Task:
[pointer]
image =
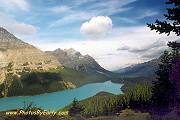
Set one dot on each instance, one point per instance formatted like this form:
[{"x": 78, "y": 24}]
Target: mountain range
[
  {"x": 146, "y": 70},
  {"x": 84, "y": 63},
  {"x": 57, "y": 70},
  {"x": 28, "y": 70}
]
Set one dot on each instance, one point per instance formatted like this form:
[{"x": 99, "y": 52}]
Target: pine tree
[
  {"x": 76, "y": 108},
  {"x": 164, "y": 88},
  {"x": 173, "y": 15}
]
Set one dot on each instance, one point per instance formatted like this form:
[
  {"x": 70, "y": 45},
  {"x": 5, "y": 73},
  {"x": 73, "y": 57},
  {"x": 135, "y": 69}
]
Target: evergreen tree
[
  {"x": 173, "y": 15},
  {"x": 175, "y": 48},
  {"x": 76, "y": 108},
  {"x": 164, "y": 89}
]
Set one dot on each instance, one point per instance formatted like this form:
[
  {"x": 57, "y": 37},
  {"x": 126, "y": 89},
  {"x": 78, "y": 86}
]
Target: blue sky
[{"x": 108, "y": 30}]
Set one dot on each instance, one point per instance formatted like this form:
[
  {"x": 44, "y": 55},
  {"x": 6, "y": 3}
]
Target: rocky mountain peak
[
  {"x": 72, "y": 52},
  {"x": 58, "y": 50},
  {"x": 88, "y": 56},
  {"x": 73, "y": 59},
  {"x": 8, "y": 40},
  {"x": 3, "y": 30}
]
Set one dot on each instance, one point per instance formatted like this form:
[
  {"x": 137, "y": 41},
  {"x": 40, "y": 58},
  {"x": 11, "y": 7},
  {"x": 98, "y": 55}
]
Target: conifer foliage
[
  {"x": 164, "y": 87},
  {"x": 172, "y": 24}
]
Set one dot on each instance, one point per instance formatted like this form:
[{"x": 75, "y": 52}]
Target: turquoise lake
[{"x": 56, "y": 100}]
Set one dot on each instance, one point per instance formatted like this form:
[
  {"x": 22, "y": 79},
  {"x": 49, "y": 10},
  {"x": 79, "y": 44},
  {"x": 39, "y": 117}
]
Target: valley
[{"x": 26, "y": 70}]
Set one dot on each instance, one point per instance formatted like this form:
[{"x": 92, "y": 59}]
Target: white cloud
[
  {"x": 13, "y": 4},
  {"x": 16, "y": 27},
  {"x": 97, "y": 26}
]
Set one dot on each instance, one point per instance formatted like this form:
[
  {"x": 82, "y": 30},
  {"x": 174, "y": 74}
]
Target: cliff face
[
  {"x": 21, "y": 55},
  {"x": 73, "y": 59}
]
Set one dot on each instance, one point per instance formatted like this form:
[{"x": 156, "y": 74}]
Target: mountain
[
  {"x": 145, "y": 70},
  {"x": 70, "y": 58},
  {"x": 21, "y": 55},
  {"x": 138, "y": 73},
  {"x": 26, "y": 70}
]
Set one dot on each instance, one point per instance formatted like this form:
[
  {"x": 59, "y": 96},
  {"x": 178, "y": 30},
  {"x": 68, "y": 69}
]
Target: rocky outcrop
[{"x": 69, "y": 85}]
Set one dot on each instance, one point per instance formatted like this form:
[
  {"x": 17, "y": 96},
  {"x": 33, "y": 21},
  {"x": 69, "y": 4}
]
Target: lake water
[{"x": 57, "y": 100}]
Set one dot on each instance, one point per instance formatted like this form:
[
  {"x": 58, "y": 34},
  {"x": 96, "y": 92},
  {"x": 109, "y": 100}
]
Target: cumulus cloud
[
  {"x": 13, "y": 4},
  {"x": 97, "y": 26}
]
